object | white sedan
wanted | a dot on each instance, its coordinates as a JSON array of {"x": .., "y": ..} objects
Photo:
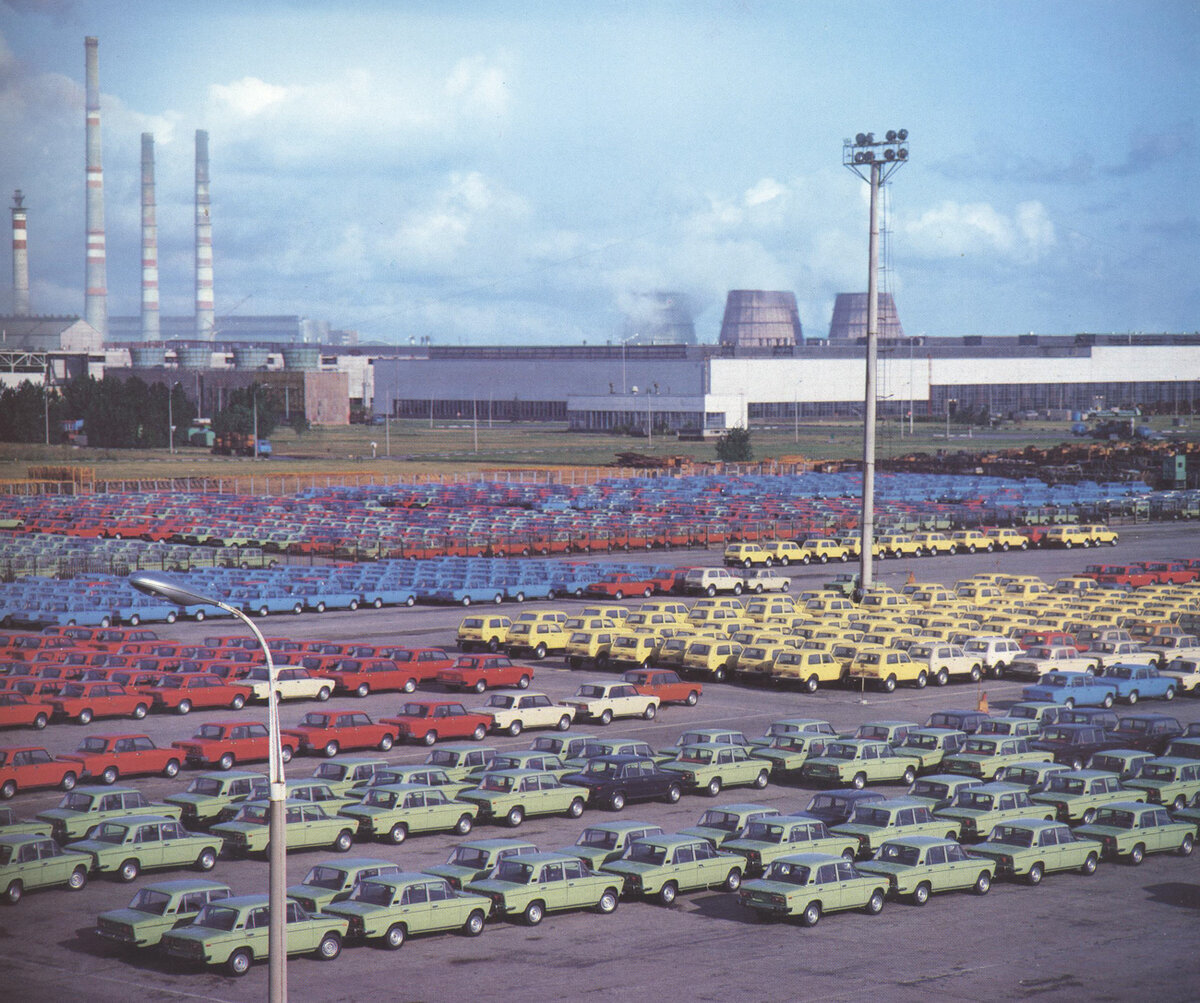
[
  {"x": 513, "y": 711},
  {"x": 291, "y": 683},
  {"x": 602, "y": 701}
]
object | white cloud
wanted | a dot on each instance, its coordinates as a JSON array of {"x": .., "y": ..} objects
[
  {"x": 245, "y": 98},
  {"x": 954, "y": 229}
]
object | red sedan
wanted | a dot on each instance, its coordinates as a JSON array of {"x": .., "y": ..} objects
[
  {"x": 426, "y": 721},
  {"x": 85, "y": 701},
  {"x": 664, "y": 684},
  {"x": 482, "y": 672},
  {"x": 621, "y": 585},
  {"x": 18, "y": 710},
  {"x": 331, "y": 732},
  {"x": 107, "y": 757},
  {"x": 25, "y": 767},
  {"x": 226, "y": 743},
  {"x": 182, "y": 693}
]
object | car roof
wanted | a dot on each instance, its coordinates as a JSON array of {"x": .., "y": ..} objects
[
  {"x": 920, "y": 841},
  {"x": 173, "y": 885},
  {"x": 623, "y": 826},
  {"x": 497, "y": 843}
]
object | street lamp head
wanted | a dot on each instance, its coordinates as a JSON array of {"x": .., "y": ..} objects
[{"x": 153, "y": 584}]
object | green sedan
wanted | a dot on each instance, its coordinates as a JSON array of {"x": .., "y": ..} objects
[
  {"x": 531, "y": 885},
  {"x": 929, "y": 746},
  {"x": 514, "y": 795},
  {"x": 1128, "y": 830},
  {"x": 460, "y": 760},
  {"x": 474, "y": 860},
  {"x": 858, "y": 762},
  {"x": 127, "y": 846},
  {"x": 423, "y": 776},
  {"x": 393, "y": 812},
  {"x": 809, "y": 885},
  {"x": 30, "y": 862},
  {"x": 765, "y": 840},
  {"x": 10, "y": 825},
  {"x": 977, "y": 810},
  {"x": 1167, "y": 781},
  {"x": 1076, "y": 795},
  {"x": 157, "y": 908},
  {"x": 876, "y": 822},
  {"x": 334, "y": 880},
  {"x": 606, "y": 841},
  {"x": 1033, "y": 849},
  {"x": 210, "y": 793},
  {"x": 789, "y": 752},
  {"x": 918, "y": 866},
  {"x": 234, "y": 933},
  {"x": 390, "y": 908},
  {"x": 663, "y": 866},
  {"x": 344, "y": 774},
  {"x": 85, "y": 807},
  {"x": 710, "y": 767},
  {"x": 308, "y": 827}
]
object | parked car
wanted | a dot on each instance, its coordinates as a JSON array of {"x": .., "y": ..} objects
[
  {"x": 157, "y": 908},
  {"x": 874, "y": 823},
  {"x": 309, "y": 826},
  {"x": 858, "y": 762},
  {"x": 1077, "y": 795},
  {"x": 109, "y": 757},
  {"x": 1033, "y": 849},
  {"x": 426, "y": 721},
  {"x": 606, "y": 841},
  {"x": 613, "y": 781},
  {"x": 226, "y": 743},
  {"x": 530, "y": 885},
  {"x": 515, "y": 710},
  {"x": 514, "y": 795},
  {"x": 918, "y": 866},
  {"x": 663, "y": 866},
  {"x": 291, "y": 683},
  {"x": 127, "y": 845},
  {"x": 767, "y": 839},
  {"x": 978, "y": 809},
  {"x": 211, "y": 793},
  {"x": 393, "y": 812},
  {"x": 808, "y": 885},
  {"x": 85, "y": 807},
  {"x": 333, "y": 731},
  {"x": 390, "y": 908},
  {"x": 1129, "y": 830},
  {"x": 30, "y": 862},
  {"x": 602, "y": 700},
  {"x": 711, "y": 767},
  {"x": 475, "y": 859},
  {"x": 335, "y": 879},
  {"x": 484, "y": 672},
  {"x": 664, "y": 684}
]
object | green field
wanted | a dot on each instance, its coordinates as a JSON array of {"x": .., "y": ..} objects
[{"x": 411, "y": 447}]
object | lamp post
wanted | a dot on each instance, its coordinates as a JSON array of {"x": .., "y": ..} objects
[
  {"x": 624, "y": 342},
  {"x": 159, "y": 585},
  {"x": 874, "y": 162}
]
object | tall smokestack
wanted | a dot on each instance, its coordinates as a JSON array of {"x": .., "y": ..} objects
[
  {"x": 150, "y": 327},
  {"x": 96, "y": 297},
  {"x": 204, "y": 259},
  {"x": 20, "y": 257}
]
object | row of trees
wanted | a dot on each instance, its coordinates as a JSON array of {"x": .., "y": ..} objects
[{"x": 126, "y": 414}]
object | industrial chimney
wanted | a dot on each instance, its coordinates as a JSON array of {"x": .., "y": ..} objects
[
  {"x": 20, "y": 257},
  {"x": 204, "y": 259},
  {"x": 96, "y": 297},
  {"x": 150, "y": 327}
]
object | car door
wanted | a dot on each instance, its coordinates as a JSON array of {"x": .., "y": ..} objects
[
  {"x": 147, "y": 845},
  {"x": 961, "y": 869},
  {"x": 446, "y": 910},
  {"x": 441, "y": 812},
  {"x": 559, "y": 892},
  {"x": 838, "y": 887},
  {"x": 1155, "y": 831},
  {"x": 175, "y": 845}
]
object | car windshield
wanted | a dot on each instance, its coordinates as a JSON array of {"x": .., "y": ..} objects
[
  {"x": 1011, "y": 835},
  {"x": 513, "y": 870},
  {"x": 645, "y": 853},
  {"x": 380, "y": 799},
  {"x": 1066, "y": 785},
  {"x": 76, "y": 802},
  {"x": 839, "y": 750},
  {"x": 1115, "y": 818},
  {"x": 764, "y": 832},
  {"x": 500, "y": 700},
  {"x": 792, "y": 874},
  {"x": 216, "y": 917},
  {"x": 601, "y": 768},
  {"x": 373, "y": 893},
  {"x": 468, "y": 856},
  {"x": 714, "y": 819},
  {"x": 255, "y": 813},
  {"x": 109, "y": 833},
  {"x": 694, "y": 754},
  {"x": 150, "y": 901},
  {"x": 325, "y": 877},
  {"x": 979, "y": 747},
  {"x": 976, "y": 801},
  {"x": 590, "y": 691},
  {"x": 313, "y": 720},
  {"x": 496, "y": 783},
  {"x": 415, "y": 710},
  {"x": 898, "y": 853},
  {"x": 921, "y": 741},
  {"x": 873, "y": 817},
  {"x": 929, "y": 789},
  {"x": 93, "y": 745}
]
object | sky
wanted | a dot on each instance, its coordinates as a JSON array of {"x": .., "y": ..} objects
[{"x": 503, "y": 172}]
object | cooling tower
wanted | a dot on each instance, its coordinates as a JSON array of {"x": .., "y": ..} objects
[
  {"x": 148, "y": 356},
  {"x": 194, "y": 357},
  {"x": 250, "y": 357},
  {"x": 306, "y": 358},
  {"x": 759, "y": 319},
  {"x": 850, "y": 317}
]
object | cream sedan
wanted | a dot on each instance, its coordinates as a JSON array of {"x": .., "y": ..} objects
[
  {"x": 291, "y": 683},
  {"x": 513, "y": 711}
]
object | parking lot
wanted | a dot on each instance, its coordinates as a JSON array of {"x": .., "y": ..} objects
[{"x": 1124, "y": 932}]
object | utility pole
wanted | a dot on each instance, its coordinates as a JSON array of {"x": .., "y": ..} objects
[{"x": 874, "y": 162}]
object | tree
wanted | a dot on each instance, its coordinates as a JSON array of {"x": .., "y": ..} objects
[
  {"x": 734, "y": 446},
  {"x": 238, "y": 416}
]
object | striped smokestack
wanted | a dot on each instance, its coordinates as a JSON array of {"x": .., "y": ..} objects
[
  {"x": 96, "y": 297},
  {"x": 150, "y": 327},
  {"x": 20, "y": 257},
  {"x": 204, "y": 259}
]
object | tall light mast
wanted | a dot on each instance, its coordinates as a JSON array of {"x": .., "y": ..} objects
[{"x": 874, "y": 162}]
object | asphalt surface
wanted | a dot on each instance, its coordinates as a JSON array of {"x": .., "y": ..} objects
[{"x": 1124, "y": 933}]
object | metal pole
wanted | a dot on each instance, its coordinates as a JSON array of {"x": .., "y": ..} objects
[
  {"x": 387, "y": 434},
  {"x": 475, "y": 421},
  {"x": 170, "y": 424},
  {"x": 868, "y": 490},
  {"x": 255, "y": 392}
]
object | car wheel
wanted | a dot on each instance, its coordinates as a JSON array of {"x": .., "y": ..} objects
[
  {"x": 921, "y": 894},
  {"x": 1069, "y": 703},
  {"x": 811, "y": 915},
  {"x": 1170, "y": 693},
  {"x": 564, "y": 723},
  {"x": 285, "y": 753},
  {"x": 239, "y": 962},
  {"x": 40, "y": 721},
  {"x": 733, "y": 880},
  {"x": 649, "y": 712},
  {"x": 129, "y": 870},
  {"x": 674, "y": 793},
  {"x": 514, "y": 729},
  {"x": 386, "y": 742},
  {"x": 297, "y": 609},
  {"x": 479, "y": 733},
  {"x": 719, "y": 675},
  {"x": 859, "y": 781},
  {"x": 523, "y": 683},
  {"x": 714, "y": 787},
  {"x": 1036, "y": 872},
  {"x": 238, "y": 702},
  {"x": 140, "y": 711},
  {"x": 616, "y": 801},
  {"x": 942, "y": 677},
  {"x": 362, "y": 690},
  {"x": 78, "y": 878},
  {"x": 323, "y": 694},
  {"x": 889, "y": 684},
  {"x": 1137, "y": 854},
  {"x": 68, "y": 782},
  {"x": 1187, "y": 845},
  {"x": 874, "y": 904},
  {"x": 608, "y": 901},
  {"x": 983, "y": 883},
  {"x": 466, "y": 600},
  {"x": 429, "y": 737},
  {"x": 473, "y": 927},
  {"x": 207, "y": 859},
  {"x": 762, "y": 779},
  {"x": 534, "y": 913},
  {"x": 464, "y": 824},
  {"x": 710, "y": 591},
  {"x": 393, "y": 940},
  {"x": 575, "y": 808},
  {"x": 8, "y": 790},
  {"x": 922, "y": 679},
  {"x": 330, "y": 946},
  {"x": 85, "y": 716},
  {"x": 1077, "y": 763},
  {"x": 692, "y": 698},
  {"x": 667, "y": 893},
  {"x": 1089, "y": 866},
  {"x": 480, "y": 686},
  {"x": 618, "y": 595},
  {"x": 909, "y": 775},
  {"x": 226, "y": 761},
  {"x": 109, "y": 776},
  {"x": 398, "y": 833},
  {"x": 134, "y": 620},
  {"x": 105, "y": 622},
  {"x": 811, "y": 684},
  {"x": 185, "y": 707},
  {"x": 515, "y": 816},
  {"x": 1133, "y": 698},
  {"x": 172, "y": 768},
  {"x": 331, "y": 749},
  {"x": 606, "y": 717}
]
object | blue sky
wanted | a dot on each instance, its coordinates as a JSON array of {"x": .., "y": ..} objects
[{"x": 516, "y": 172}]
